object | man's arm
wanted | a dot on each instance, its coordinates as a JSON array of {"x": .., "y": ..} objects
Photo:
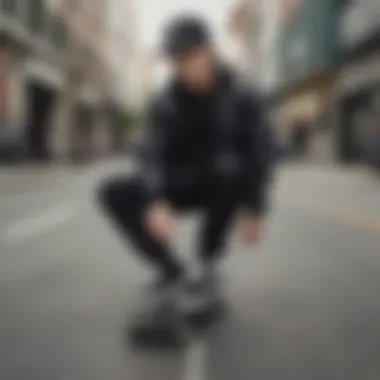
[
  {"x": 155, "y": 145},
  {"x": 159, "y": 216},
  {"x": 259, "y": 156}
]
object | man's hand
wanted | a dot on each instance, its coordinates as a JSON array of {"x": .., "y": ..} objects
[
  {"x": 251, "y": 229},
  {"x": 160, "y": 220}
]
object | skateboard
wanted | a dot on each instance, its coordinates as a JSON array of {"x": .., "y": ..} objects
[{"x": 171, "y": 329}]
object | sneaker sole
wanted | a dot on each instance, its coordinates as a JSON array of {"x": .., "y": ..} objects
[
  {"x": 158, "y": 338},
  {"x": 206, "y": 317}
]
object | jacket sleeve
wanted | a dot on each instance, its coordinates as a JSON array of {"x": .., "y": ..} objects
[
  {"x": 260, "y": 153},
  {"x": 154, "y": 169}
]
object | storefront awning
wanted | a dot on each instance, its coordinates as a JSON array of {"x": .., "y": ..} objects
[
  {"x": 304, "y": 107},
  {"x": 45, "y": 73},
  {"x": 359, "y": 75}
]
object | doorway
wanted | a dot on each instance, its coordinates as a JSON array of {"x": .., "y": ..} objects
[
  {"x": 301, "y": 137},
  {"x": 40, "y": 104},
  {"x": 83, "y": 132},
  {"x": 352, "y": 129}
]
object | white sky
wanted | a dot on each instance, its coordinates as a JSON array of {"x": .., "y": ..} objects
[{"x": 153, "y": 14}]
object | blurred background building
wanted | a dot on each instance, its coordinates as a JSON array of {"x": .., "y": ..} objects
[
  {"x": 147, "y": 73},
  {"x": 33, "y": 38},
  {"x": 244, "y": 28},
  {"x": 73, "y": 71},
  {"x": 87, "y": 75},
  {"x": 358, "y": 84},
  {"x": 123, "y": 53},
  {"x": 66, "y": 67},
  {"x": 309, "y": 63},
  {"x": 318, "y": 60}
]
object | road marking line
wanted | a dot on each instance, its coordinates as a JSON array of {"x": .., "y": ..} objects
[
  {"x": 356, "y": 219},
  {"x": 6, "y": 199},
  {"x": 195, "y": 361},
  {"x": 40, "y": 223}
]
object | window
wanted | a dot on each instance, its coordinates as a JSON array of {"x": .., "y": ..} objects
[
  {"x": 9, "y": 6},
  {"x": 36, "y": 15},
  {"x": 58, "y": 31}
]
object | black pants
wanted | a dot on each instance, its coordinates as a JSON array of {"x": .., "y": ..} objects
[{"x": 217, "y": 198}]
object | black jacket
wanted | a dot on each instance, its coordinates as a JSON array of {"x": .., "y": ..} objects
[{"x": 240, "y": 145}]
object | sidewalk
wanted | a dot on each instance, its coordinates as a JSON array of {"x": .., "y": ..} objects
[
  {"x": 16, "y": 178},
  {"x": 350, "y": 193},
  {"x": 332, "y": 171},
  {"x": 35, "y": 177}
]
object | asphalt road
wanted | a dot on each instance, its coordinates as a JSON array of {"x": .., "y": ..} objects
[{"x": 303, "y": 305}]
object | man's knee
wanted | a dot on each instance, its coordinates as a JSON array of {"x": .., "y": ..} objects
[
  {"x": 114, "y": 193},
  {"x": 106, "y": 194}
]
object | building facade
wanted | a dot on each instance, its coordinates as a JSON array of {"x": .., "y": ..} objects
[
  {"x": 123, "y": 52},
  {"x": 57, "y": 81},
  {"x": 257, "y": 27},
  {"x": 86, "y": 122},
  {"x": 148, "y": 65},
  {"x": 272, "y": 12},
  {"x": 244, "y": 27},
  {"x": 309, "y": 63},
  {"x": 358, "y": 86},
  {"x": 124, "y": 67},
  {"x": 33, "y": 38}
]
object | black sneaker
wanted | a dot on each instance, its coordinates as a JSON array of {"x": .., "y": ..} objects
[
  {"x": 159, "y": 322},
  {"x": 201, "y": 297}
]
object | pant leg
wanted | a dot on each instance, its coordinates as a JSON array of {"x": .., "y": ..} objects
[
  {"x": 124, "y": 202},
  {"x": 221, "y": 203}
]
